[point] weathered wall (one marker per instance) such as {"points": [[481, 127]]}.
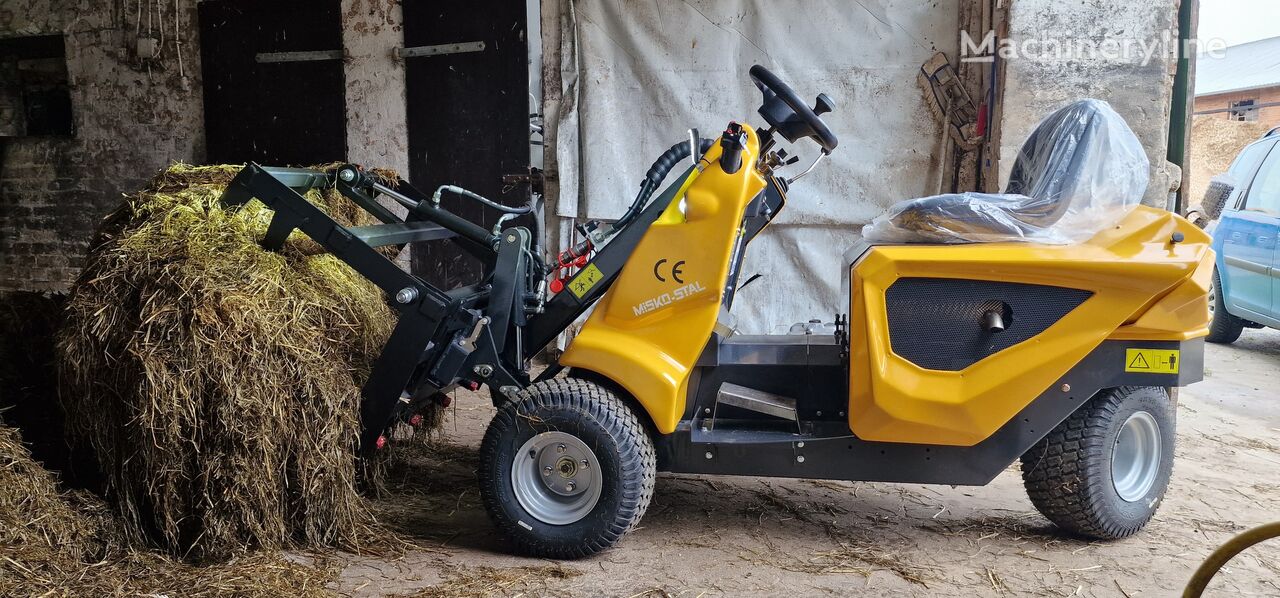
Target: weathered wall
{"points": [[129, 123], [1269, 115], [1139, 90], [377, 133], [377, 123]]}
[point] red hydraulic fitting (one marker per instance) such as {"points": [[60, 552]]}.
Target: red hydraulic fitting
{"points": [[382, 442], [557, 285], [471, 385], [416, 420]]}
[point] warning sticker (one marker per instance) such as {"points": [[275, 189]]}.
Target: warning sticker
{"points": [[585, 280], [1151, 361]]}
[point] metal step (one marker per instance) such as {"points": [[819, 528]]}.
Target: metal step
{"points": [[758, 401]]}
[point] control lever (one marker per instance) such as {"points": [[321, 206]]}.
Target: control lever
{"points": [[824, 105], [695, 156], [812, 166]]}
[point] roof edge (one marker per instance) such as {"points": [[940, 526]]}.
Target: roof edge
{"points": [[1236, 90]]}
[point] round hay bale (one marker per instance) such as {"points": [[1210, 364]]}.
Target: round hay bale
{"points": [[218, 383]]}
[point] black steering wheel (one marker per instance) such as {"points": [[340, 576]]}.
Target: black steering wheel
{"points": [[788, 113]]}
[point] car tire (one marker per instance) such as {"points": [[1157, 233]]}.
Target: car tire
{"points": [[1224, 328], [1091, 477], [544, 456]]}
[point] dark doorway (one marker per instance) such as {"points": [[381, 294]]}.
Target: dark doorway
{"points": [[273, 81], [468, 114]]}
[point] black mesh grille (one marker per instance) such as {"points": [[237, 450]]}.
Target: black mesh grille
{"points": [[937, 323]]}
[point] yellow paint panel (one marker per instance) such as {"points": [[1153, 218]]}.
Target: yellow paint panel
{"points": [[648, 330], [1144, 288]]}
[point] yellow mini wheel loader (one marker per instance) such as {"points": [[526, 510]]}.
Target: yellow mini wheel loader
{"points": [[1050, 324]]}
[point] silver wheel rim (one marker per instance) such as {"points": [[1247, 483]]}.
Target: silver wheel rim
{"points": [[556, 478], [1135, 458]]}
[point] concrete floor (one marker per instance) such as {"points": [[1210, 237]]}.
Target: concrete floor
{"points": [[765, 537]]}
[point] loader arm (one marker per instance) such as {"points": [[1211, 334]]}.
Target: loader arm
{"points": [[483, 334]]}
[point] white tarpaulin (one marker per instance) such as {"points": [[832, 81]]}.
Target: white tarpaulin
{"points": [[637, 75]]}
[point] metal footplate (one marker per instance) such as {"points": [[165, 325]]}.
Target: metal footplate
{"points": [[758, 401]]}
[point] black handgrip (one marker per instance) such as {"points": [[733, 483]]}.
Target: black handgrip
{"points": [[732, 143]]}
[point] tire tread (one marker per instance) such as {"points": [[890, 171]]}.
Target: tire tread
{"points": [[1067, 474], [637, 461], [1224, 328]]}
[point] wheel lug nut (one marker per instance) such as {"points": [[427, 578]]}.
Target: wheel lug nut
{"points": [[571, 486], [560, 448], [546, 470], [585, 464]]}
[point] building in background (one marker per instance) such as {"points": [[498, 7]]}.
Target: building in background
{"points": [[1242, 85]]}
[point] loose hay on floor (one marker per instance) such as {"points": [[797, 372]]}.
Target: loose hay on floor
{"points": [[218, 383], [69, 544], [462, 581], [35, 514]]}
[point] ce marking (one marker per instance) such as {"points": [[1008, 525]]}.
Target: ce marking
{"points": [[675, 271]]}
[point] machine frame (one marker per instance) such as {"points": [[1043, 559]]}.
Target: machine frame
{"points": [[659, 380]]}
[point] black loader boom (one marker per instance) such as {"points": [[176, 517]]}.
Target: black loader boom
{"points": [[480, 334]]}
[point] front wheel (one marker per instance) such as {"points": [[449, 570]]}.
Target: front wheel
{"points": [[1103, 472], [566, 469]]}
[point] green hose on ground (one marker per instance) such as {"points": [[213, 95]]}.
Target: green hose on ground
{"points": [[1225, 553]]}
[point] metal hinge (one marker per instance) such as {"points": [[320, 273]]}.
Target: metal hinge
{"points": [[439, 50], [313, 56], [534, 178]]}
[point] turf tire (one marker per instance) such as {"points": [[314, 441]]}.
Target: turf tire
{"points": [[620, 443], [1068, 473], [1224, 328]]}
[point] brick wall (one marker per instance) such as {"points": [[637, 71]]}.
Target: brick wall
{"points": [[129, 123], [1268, 116]]}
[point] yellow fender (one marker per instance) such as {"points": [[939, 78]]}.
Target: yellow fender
{"points": [[648, 330]]}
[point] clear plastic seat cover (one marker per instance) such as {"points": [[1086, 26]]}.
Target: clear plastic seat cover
{"points": [[1081, 170]]}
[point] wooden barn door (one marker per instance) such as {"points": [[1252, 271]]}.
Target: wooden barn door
{"points": [[273, 81], [467, 114]]}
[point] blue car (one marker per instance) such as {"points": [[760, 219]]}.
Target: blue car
{"points": [[1246, 281]]}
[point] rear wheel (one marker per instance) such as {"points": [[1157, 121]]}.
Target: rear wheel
{"points": [[1223, 327], [1103, 472], [566, 469]]}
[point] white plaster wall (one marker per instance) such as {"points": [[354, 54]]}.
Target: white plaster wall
{"points": [[377, 130]]}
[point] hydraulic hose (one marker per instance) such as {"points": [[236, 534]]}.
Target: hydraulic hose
{"points": [[1200, 580], [435, 200], [657, 173]]}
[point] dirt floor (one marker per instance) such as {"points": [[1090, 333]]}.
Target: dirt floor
{"points": [[755, 536]]}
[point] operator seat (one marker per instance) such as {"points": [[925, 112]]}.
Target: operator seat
{"points": [[1079, 156]]}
